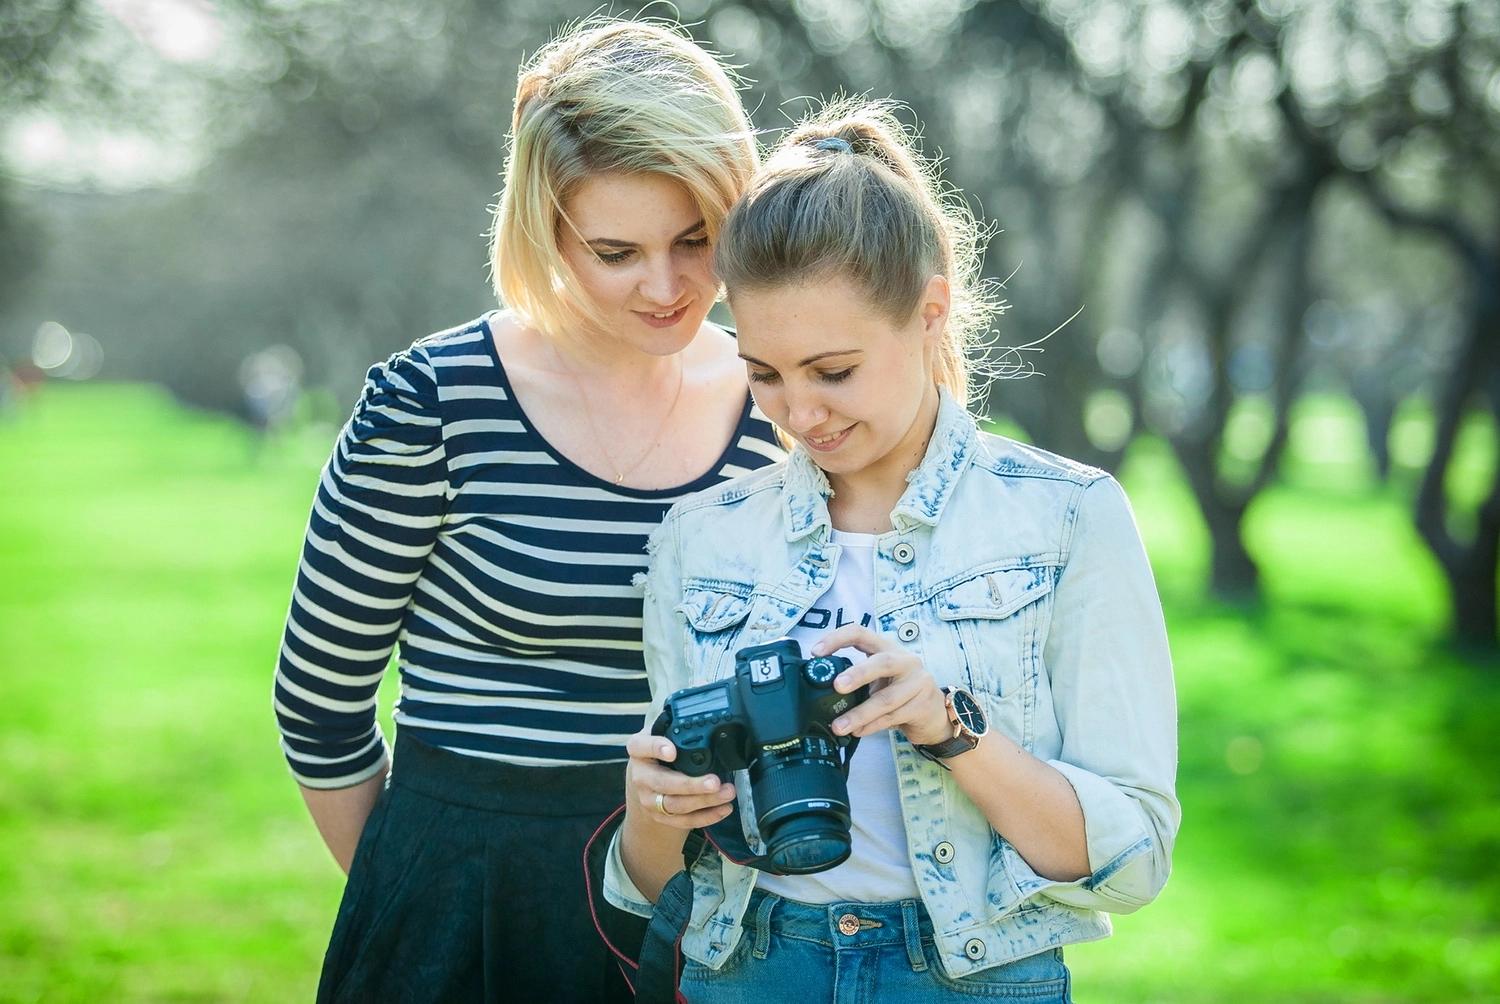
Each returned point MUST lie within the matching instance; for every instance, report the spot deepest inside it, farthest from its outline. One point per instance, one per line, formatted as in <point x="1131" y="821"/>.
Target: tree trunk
<point x="1475" y="624"/>
<point x="1379" y="413"/>
<point x="1473" y="580"/>
<point x="1234" y="576"/>
<point x="1469" y="565"/>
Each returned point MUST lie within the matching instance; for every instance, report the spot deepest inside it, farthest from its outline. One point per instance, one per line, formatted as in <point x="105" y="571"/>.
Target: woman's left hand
<point x="903" y="694"/>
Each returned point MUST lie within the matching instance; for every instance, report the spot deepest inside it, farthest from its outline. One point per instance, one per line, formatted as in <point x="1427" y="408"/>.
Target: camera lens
<point x="802" y="806"/>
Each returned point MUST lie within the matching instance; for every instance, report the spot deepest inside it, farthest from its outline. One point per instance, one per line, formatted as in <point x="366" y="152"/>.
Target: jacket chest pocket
<point x="715" y="615"/>
<point x="996" y="619"/>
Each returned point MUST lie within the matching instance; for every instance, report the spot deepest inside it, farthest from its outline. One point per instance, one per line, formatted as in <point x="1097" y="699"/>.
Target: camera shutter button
<point x="903" y="552"/>
<point x="908" y="631"/>
<point x="943" y="853"/>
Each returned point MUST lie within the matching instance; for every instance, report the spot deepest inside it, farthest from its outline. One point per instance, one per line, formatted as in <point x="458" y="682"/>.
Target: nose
<point x="805" y="412"/>
<point x="662" y="284"/>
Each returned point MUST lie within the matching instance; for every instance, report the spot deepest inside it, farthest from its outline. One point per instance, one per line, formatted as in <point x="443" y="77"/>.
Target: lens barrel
<point x="802" y="807"/>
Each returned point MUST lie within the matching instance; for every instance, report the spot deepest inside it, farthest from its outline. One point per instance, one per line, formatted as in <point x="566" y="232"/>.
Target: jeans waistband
<point x="482" y="783"/>
<point x="840" y="926"/>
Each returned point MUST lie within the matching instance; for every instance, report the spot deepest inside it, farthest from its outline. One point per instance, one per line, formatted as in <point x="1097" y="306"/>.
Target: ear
<point x="936" y="304"/>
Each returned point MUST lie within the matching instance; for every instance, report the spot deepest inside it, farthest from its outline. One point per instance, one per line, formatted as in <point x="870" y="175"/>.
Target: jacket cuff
<point x="1123" y="873"/>
<point x="619" y="891"/>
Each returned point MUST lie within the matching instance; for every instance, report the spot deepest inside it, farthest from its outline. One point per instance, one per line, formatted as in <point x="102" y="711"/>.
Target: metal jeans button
<point x="974" y="949"/>
<point x="904" y="553"/>
<point x="849" y="925"/>
<point x="908" y="631"/>
<point x="943" y="853"/>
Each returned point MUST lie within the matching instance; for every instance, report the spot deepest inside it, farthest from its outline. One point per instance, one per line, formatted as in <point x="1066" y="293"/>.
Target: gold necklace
<point x="588" y="414"/>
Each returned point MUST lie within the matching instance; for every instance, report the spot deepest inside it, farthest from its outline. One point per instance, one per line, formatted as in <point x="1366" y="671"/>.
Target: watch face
<point x="968" y="712"/>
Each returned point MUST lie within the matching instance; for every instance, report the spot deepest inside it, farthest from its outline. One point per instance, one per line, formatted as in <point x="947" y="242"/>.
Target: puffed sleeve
<point x="376" y="514"/>
<point x="666" y="671"/>
<point x="1111" y="677"/>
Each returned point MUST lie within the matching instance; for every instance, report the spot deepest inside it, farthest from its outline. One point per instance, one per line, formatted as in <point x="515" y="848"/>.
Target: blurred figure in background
<point x="486" y="510"/>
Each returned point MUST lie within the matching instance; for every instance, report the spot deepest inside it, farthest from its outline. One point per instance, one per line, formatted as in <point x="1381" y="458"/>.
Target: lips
<point x="662" y="320"/>
<point x="825" y="444"/>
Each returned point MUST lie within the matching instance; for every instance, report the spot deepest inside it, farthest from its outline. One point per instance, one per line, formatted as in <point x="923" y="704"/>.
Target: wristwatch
<point x="969" y="726"/>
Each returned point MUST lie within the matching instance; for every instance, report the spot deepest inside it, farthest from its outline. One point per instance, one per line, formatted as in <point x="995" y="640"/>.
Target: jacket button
<point x="908" y="631"/>
<point x="943" y="853"/>
<point x="904" y="553"/>
<point x="974" y="949"/>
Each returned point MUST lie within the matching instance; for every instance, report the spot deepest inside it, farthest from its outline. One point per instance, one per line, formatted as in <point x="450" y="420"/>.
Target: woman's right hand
<point x="686" y="803"/>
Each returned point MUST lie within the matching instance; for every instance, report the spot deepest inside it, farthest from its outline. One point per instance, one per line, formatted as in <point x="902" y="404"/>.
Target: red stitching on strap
<point x="588" y="881"/>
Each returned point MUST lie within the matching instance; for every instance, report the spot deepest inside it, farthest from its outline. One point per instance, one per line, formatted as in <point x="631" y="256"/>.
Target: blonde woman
<point x="1015" y="775"/>
<point x="485" y="512"/>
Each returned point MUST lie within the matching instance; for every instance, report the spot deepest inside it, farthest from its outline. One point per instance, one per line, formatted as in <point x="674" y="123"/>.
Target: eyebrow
<point x="612" y="242"/>
<point x="806" y="362"/>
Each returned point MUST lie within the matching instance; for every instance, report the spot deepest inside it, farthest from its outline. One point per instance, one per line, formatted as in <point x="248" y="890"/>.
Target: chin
<point x="672" y="345"/>
<point x="839" y="463"/>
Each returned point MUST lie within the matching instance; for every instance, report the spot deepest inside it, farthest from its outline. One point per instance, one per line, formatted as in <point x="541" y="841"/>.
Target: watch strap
<point x="961" y="742"/>
<point x="949" y="747"/>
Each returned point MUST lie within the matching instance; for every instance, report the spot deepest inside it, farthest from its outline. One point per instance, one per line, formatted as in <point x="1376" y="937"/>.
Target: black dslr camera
<point x="773" y="718"/>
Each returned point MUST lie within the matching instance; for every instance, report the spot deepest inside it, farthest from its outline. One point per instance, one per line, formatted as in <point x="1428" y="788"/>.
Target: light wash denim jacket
<point x="1010" y="571"/>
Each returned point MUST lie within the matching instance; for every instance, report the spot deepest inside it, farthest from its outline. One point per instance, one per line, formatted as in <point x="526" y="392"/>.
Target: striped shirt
<point x="445" y="525"/>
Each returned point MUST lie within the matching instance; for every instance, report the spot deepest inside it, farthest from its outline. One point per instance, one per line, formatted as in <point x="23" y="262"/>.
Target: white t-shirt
<point x="878" y="869"/>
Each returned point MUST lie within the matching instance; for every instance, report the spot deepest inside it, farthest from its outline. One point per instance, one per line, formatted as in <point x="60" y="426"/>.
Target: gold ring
<point x="661" y="805"/>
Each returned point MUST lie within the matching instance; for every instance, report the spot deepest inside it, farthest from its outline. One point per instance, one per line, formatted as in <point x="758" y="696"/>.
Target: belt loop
<point x="913" y="930"/>
<point x="763" y="925"/>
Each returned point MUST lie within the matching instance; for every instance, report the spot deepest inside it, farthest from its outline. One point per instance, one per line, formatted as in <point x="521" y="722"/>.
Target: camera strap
<point x="648" y="952"/>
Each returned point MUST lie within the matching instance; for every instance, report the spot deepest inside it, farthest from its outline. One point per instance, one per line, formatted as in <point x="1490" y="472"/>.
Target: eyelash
<point x="617" y="257"/>
<point x="838" y="376"/>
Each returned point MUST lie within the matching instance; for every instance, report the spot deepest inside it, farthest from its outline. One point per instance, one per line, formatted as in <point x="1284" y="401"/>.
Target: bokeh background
<point x="1263" y="237"/>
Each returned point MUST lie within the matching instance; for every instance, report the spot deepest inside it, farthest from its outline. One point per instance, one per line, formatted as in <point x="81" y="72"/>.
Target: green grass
<point x="1342" y="814"/>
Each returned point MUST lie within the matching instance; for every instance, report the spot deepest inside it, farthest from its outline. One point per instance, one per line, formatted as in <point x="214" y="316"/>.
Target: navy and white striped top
<point x="446" y="524"/>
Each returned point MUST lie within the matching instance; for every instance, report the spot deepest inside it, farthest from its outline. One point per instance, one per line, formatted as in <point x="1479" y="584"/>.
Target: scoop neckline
<point x="705" y="480"/>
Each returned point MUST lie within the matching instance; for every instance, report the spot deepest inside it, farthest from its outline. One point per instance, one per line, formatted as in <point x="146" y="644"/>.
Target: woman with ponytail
<point x="1014" y="782"/>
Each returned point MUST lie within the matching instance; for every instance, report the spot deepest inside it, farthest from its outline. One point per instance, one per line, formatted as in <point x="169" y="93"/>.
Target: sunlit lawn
<point x="1338" y="765"/>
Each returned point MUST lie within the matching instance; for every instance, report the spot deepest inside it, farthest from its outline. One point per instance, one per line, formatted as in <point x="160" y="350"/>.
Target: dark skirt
<point x="467" y="885"/>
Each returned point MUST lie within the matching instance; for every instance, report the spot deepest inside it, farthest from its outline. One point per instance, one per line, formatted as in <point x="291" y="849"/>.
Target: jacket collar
<point x="806" y="492"/>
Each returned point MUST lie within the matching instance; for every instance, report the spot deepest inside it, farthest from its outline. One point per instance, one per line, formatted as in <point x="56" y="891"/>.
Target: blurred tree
<point x="343" y="216"/>
<point x="34" y="39"/>
<point x="1204" y="143"/>
<point x="1433" y="97"/>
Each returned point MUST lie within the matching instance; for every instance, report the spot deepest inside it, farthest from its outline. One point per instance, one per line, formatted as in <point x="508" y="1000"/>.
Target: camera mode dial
<point x="821" y="671"/>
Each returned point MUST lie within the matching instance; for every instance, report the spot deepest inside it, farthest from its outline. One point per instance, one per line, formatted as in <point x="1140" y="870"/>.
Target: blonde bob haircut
<point x="846" y="194"/>
<point x="609" y="95"/>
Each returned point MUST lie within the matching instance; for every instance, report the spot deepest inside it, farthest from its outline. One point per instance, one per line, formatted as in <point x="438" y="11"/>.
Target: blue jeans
<point x="795" y="952"/>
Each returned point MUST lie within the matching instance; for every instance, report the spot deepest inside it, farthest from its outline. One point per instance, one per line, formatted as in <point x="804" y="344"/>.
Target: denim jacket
<point x="1010" y="571"/>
